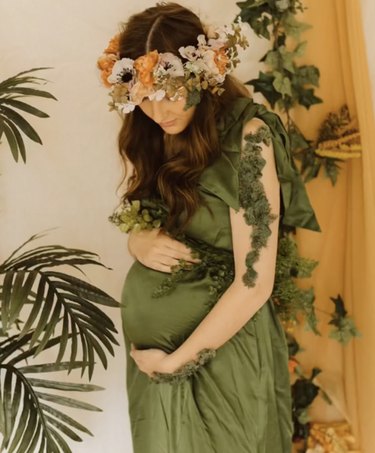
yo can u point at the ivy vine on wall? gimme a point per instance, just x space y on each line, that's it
286 84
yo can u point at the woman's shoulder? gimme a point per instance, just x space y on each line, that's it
242 117
253 125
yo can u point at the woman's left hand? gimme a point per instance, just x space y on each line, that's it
151 360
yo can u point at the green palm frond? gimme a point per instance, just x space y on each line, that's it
60 302
28 422
11 122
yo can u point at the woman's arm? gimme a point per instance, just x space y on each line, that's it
239 303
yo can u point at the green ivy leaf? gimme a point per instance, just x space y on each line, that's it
307 75
257 16
300 49
264 85
293 27
307 98
282 84
272 58
287 59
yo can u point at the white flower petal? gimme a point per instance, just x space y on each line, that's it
157 95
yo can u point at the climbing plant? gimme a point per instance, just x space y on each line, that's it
286 84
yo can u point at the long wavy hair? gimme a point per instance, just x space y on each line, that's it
170 165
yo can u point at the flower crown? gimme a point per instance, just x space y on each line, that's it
157 75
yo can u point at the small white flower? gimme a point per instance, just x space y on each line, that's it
201 41
157 95
125 108
190 52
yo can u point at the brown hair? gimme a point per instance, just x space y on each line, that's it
170 167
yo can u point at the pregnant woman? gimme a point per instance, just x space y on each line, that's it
209 179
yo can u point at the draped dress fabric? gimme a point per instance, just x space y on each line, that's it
240 401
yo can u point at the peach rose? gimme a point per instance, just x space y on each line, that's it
113 45
221 60
144 66
105 64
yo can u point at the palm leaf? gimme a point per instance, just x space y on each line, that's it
20 145
28 420
25 91
1 127
58 300
23 106
11 122
20 122
9 134
16 80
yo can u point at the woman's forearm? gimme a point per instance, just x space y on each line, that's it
234 309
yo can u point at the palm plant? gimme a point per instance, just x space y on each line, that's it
44 308
11 122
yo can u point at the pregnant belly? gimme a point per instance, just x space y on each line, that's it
163 322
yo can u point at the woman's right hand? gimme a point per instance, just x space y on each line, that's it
158 251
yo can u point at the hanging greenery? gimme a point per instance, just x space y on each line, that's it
286 84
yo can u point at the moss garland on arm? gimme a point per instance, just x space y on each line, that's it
186 371
253 199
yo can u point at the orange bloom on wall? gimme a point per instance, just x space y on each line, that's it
144 66
221 60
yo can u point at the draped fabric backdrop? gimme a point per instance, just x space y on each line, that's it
71 182
346 247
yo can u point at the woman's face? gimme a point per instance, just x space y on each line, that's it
170 115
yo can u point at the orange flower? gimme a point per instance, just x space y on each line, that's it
221 60
144 66
113 45
105 64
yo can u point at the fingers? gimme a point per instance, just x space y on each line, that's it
177 250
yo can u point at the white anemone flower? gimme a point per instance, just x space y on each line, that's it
121 67
171 64
189 52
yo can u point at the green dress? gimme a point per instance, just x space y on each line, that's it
239 401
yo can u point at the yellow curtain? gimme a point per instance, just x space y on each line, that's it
346 247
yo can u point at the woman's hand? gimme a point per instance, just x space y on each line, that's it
152 360
157 250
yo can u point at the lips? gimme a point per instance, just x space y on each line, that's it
167 124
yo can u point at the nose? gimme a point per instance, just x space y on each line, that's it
158 110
